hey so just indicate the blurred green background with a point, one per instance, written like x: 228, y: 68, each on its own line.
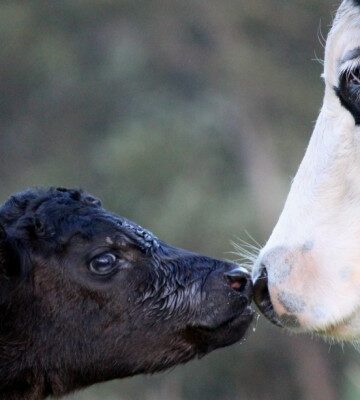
x: 189, y: 117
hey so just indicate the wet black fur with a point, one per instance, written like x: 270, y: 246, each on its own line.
x: 62, y: 327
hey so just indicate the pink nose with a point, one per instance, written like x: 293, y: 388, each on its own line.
x: 280, y: 268
x: 278, y: 262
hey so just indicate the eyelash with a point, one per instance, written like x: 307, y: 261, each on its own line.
x: 349, y: 66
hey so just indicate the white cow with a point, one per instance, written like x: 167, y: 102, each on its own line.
x: 307, y: 277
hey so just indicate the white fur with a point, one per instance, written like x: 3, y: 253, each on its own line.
x: 323, y: 207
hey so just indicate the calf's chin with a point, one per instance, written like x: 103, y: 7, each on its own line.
x: 87, y: 296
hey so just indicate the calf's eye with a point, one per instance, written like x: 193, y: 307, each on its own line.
x: 104, y: 264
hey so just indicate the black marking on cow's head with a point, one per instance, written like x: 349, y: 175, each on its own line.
x: 349, y: 97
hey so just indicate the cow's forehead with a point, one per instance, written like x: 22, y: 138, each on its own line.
x: 343, y: 40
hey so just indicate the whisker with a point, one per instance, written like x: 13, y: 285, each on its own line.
x: 240, y: 243
x: 253, y: 239
x: 246, y: 251
x: 320, y: 36
x: 245, y: 248
x: 318, y: 59
x: 246, y: 244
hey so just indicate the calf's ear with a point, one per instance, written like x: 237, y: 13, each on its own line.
x: 10, y: 260
x: 3, y: 237
x: 2, y: 233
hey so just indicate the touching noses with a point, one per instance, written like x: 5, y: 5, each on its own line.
x: 283, y: 264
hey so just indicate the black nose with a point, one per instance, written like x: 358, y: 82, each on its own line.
x: 262, y: 296
x: 240, y: 281
x: 261, y: 291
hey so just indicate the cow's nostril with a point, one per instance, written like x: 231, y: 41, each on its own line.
x: 238, y: 279
x: 262, y: 296
x: 261, y: 291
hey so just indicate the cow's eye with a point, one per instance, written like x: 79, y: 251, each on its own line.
x: 349, y: 92
x: 350, y: 84
x: 104, y: 264
x: 353, y: 78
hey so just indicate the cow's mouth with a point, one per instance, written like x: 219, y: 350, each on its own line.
x: 340, y: 330
x: 224, y: 334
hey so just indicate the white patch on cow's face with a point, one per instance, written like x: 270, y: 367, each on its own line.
x: 313, y: 255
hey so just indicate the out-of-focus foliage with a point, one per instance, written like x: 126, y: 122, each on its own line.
x: 189, y: 117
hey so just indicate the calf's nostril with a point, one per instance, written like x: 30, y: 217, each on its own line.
x: 238, y: 280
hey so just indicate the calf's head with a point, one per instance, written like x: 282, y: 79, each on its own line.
x: 308, y: 274
x: 87, y: 296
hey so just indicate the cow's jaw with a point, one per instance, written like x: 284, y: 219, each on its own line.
x: 312, y: 259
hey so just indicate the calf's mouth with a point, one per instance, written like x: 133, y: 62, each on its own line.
x: 232, y: 316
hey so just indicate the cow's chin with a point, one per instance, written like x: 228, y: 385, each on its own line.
x: 317, y: 303
x: 347, y: 329
x: 337, y: 329
x: 231, y: 330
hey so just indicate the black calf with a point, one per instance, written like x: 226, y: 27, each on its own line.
x: 87, y: 296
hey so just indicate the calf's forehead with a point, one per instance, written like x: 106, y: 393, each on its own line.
x: 100, y: 224
x: 90, y: 223
x: 64, y: 213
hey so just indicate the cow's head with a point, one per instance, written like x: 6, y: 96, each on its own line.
x: 308, y: 274
x: 87, y: 296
